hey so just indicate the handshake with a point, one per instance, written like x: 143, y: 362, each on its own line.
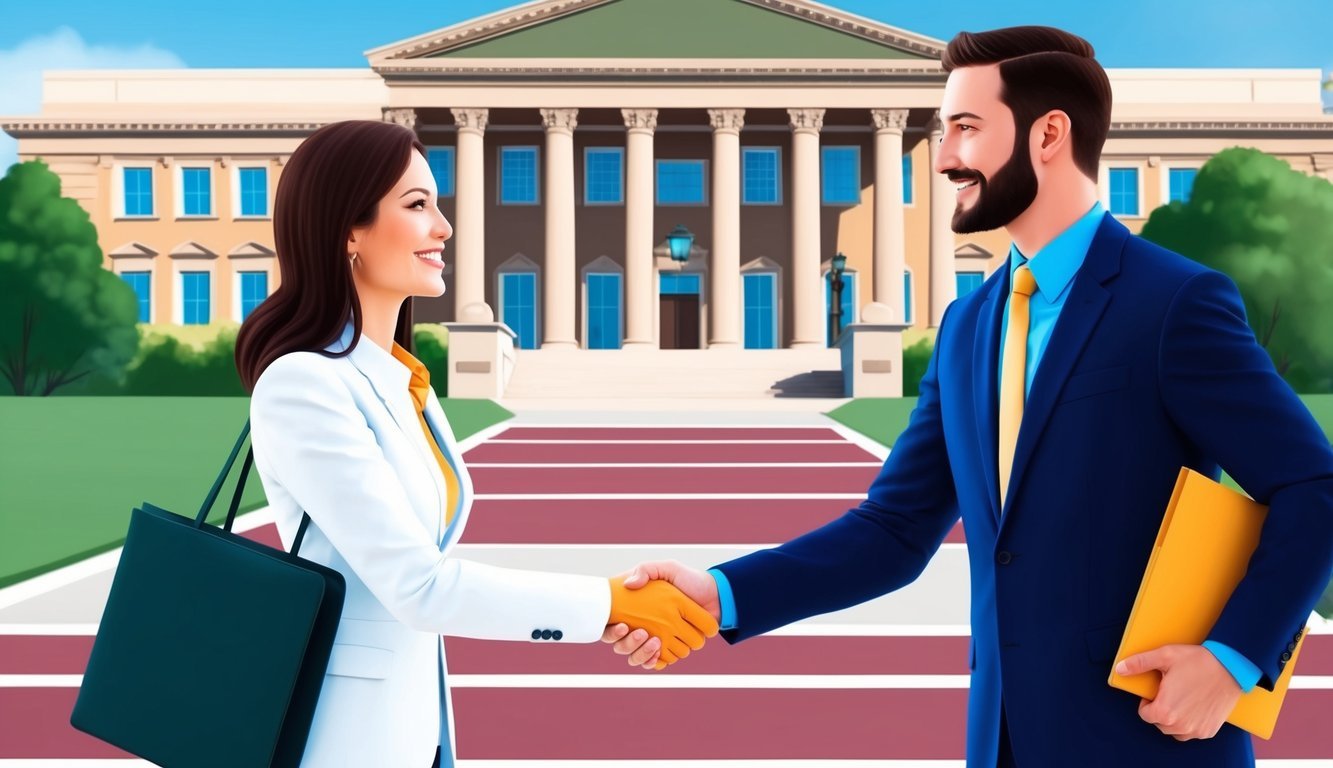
x: 660, y: 612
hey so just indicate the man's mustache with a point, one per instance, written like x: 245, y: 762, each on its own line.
x: 965, y: 175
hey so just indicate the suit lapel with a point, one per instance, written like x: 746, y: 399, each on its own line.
x: 985, y: 355
x: 1083, y: 310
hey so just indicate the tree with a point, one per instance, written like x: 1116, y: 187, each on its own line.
x: 62, y: 316
x: 1270, y: 228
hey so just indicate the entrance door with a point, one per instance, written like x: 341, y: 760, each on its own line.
x: 680, y: 322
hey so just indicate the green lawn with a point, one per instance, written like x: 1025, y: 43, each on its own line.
x: 882, y: 419
x: 73, y: 468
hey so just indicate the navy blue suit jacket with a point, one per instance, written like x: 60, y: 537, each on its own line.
x: 1150, y: 367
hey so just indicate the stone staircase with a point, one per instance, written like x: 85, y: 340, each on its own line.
x: 653, y: 374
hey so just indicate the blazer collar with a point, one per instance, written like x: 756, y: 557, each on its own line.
x: 387, y: 376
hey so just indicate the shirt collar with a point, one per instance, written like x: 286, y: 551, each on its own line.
x: 1055, y: 265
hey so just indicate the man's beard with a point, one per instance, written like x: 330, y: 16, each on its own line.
x: 1000, y: 199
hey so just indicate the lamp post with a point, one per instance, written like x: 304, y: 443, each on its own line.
x: 679, y: 241
x: 835, y: 308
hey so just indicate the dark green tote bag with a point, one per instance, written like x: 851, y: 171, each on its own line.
x: 212, y: 648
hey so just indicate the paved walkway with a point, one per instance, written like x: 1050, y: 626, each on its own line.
x: 883, y: 683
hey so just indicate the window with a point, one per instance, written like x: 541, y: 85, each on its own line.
x: 969, y: 281
x: 518, y: 306
x: 761, y: 310
x: 518, y: 176
x: 841, y: 177
x: 907, y: 179
x: 254, y: 191
x: 760, y: 176
x: 196, y: 191
x: 678, y: 284
x: 848, y: 303
x: 680, y: 182
x: 1124, y: 191
x: 1181, y: 182
x: 441, y: 162
x: 142, y: 283
x: 195, y: 297
x: 254, y: 289
x: 603, y: 176
x: 604, y: 311
x: 138, y: 191
x: 907, y: 296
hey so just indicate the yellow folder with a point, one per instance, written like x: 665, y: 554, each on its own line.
x: 1204, y: 545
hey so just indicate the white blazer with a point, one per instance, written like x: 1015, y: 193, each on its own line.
x: 340, y: 439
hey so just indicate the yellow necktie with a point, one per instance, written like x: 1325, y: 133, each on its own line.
x: 419, y: 387
x: 1013, y: 375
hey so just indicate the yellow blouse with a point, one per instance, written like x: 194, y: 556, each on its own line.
x: 419, y: 387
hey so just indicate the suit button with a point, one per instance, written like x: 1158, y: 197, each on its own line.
x: 546, y: 634
x: 1291, y: 646
x: 536, y: 634
x: 1286, y: 657
x: 1003, y: 557
x: 556, y: 635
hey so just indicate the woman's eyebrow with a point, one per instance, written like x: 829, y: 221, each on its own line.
x: 414, y: 189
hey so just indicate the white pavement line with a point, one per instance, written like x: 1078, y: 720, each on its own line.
x: 667, y: 496
x: 864, y: 443
x: 75, y: 572
x: 522, y: 441
x: 730, y: 682
x: 705, y: 465
x: 484, y: 436
x: 720, y: 426
x: 464, y: 549
x: 636, y: 762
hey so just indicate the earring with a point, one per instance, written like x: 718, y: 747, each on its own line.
x: 352, y: 261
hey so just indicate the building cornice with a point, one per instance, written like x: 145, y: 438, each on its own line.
x: 41, y: 127
x: 621, y: 71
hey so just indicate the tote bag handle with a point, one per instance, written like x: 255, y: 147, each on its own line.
x: 240, y: 488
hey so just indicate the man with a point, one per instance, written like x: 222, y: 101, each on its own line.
x: 1060, y: 403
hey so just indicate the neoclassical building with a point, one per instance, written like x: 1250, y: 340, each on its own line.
x: 568, y: 138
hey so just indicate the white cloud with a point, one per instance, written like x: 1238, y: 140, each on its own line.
x: 21, y: 70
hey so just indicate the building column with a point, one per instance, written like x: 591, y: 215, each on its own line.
x: 725, y: 298
x: 470, y: 210
x: 890, y: 232
x: 943, y: 201
x: 639, y: 125
x: 807, y: 291
x: 559, y: 281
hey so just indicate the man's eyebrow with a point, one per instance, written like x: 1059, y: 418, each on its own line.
x: 964, y: 115
x: 414, y: 189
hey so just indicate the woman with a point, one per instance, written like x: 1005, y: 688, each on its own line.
x: 345, y: 427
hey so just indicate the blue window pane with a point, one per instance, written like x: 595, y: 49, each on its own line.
x: 518, y: 306
x: 907, y: 297
x: 195, y: 191
x: 761, y: 319
x: 254, y: 191
x: 1182, y: 184
x: 441, y: 162
x: 676, y: 284
x: 254, y: 289
x: 195, y: 297
x: 604, y: 311
x: 518, y: 175
x: 142, y: 284
x: 680, y: 182
x: 841, y: 176
x: 759, y: 175
x: 603, y: 175
x: 907, y: 179
x: 968, y: 282
x: 138, y: 191
x: 848, y: 301
x: 1125, y: 191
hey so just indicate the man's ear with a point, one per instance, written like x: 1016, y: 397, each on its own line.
x: 1053, y: 129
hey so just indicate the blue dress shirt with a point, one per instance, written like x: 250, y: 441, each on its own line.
x: 1054, y: 268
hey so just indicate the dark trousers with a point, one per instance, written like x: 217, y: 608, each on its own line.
x: 436, y: 764
x: 1006, y: 756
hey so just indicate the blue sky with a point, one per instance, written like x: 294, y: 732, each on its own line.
x: 87, y: 34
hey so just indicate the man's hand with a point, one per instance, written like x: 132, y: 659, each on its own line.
x: 656, y: 608
x: 643, y: 649
x: 1196, y: 693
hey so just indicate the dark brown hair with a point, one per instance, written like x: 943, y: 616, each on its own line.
x: 1044, y: 68
x: 333, y: 182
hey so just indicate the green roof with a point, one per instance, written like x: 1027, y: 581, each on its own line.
x: 675, y: 29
